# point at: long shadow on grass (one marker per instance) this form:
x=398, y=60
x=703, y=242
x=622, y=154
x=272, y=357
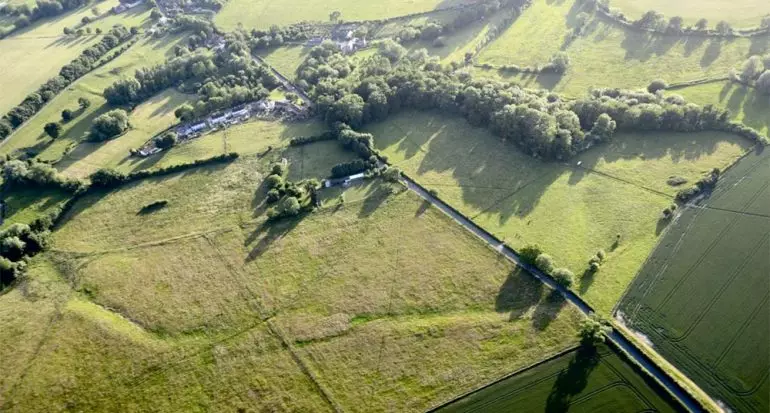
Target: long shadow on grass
x=521, y=294
x=268, y=233
x=573, y=380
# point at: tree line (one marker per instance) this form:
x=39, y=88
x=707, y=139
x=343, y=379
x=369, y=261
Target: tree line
x=68, y=74
x=25, y=14
x=755, y=72
x=221, y=79
x=541, y=123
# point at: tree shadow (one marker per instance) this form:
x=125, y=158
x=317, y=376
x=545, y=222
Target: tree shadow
x=548, y=309
x=374, y=198
x=268, y=233
x=519, y=293
x=693, y=43
x=711, y=54
x=572, y=380
x=586, y=280
x=759, y=45
x=424, y=205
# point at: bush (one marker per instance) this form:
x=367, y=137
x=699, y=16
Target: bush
x=66, y=115
x=304, y=140
x=656, y=85
x=349, y=168
x=107, y=178
x=530, y=253
x=274, y=181
x=166, y=141
x=564, y=277
x=544, y=263
x=109, y=125
x=273, y=196
x=279, y=169
x=392, y=174
x=594, y=331
x=153, y=206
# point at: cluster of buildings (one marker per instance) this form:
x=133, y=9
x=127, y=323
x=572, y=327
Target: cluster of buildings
x=344, y=37
x=123, y=6
x=264, y=108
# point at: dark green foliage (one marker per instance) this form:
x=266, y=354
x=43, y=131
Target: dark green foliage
x=52, y=129
x=288, y=207
x=274, y=181
x=166, y=141
x=564, y=277
x=24, y=174
x=18, y=242
x=279, y=169
x=109, y=125
x=110, y=178
x=530, y=253
x=594, y=330
x=84, y=103
x=304, y=140
x=656, y=85
x=704, y=184
x=545, y=263
x=349, y=168
x=67, y=115
x=273, y=195
x=221, y=79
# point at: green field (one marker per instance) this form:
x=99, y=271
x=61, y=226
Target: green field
x=25, y=205
x=744, y=103
x=578, y=381
x=608, y=55
x=741, y=13
x=568, y=210
x=286, y=59
x=261, y=14
x=702, y=296
x=380, y=304
x=36, y=54
x=31, y=138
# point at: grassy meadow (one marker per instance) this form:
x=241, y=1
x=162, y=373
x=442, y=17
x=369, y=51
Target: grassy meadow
x=741, y=13
x=578, y=381
x=709, y=274
x=744, y=103
x=261, y=14
x=608, y=55
x=25, y=205
x=30, y=136
x=286, y=60
x=570, y=211
x=37, y=53
x=201, y=302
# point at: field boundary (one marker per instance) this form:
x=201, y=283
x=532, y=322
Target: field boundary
x=506, y=376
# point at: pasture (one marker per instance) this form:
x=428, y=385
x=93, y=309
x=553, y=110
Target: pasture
x=702, y=296
x=201, y=302
x=571, y=211
x=31, y=139
x=286, y=60
x=744, y=103
x=608, y=55
x=36, y=54
x=25, y=205
x=578, y=381
x=261, y=14
x=741, y=13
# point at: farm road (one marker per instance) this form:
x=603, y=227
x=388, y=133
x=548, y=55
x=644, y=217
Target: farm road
x=615, y=337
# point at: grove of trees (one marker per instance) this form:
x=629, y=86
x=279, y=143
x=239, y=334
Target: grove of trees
x=109, y=125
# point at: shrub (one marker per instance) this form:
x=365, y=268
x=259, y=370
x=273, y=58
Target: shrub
x=304, y=140
x=273, y=196
x=530, y=253
x=66, y=115
x=109, y=125
x=166, y=141
x=279, y=169
x=594, y=330
x=676, y=181
x=12, y=248
x=107, y=178
x=274, y=181
x=564, y=277
x=9, y=271
x=52, y=129
x=544, y=263
x=594, y=267
x=349, y=168
x=153, y=206
x=392, y=174
x=656, y=85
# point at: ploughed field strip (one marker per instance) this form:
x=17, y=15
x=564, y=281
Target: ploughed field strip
x=577, y=381
x=702, y=296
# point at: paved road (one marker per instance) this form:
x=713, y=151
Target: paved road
x=286, y=82
x=615, y=337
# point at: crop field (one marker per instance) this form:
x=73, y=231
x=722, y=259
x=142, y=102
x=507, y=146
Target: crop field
x=702, y=296
x=201, y=303
x=31, y=138
x=578, y=381
x=607, y=55
x=741, y=13
x=261, y=14
x=522, y=200
x=744, y=103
